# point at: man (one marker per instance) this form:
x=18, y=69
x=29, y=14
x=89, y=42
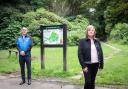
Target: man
x=24, y=45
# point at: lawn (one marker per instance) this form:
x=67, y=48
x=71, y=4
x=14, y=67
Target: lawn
x=115, y=70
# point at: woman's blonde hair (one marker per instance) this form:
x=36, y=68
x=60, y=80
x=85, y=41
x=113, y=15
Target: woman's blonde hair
x=88, y=28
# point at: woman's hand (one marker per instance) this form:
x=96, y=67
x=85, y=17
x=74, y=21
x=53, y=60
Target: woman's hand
x=85, y=69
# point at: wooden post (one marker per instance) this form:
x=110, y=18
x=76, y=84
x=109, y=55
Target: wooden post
x=65, y=49
x=42, y=53
x=9, y=53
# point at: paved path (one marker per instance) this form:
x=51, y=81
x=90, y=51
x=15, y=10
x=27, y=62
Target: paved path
x=13, y=83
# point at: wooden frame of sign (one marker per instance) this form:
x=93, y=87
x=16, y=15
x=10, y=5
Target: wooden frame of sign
x=54, y=36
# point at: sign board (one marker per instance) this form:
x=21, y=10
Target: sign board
x=54, y=36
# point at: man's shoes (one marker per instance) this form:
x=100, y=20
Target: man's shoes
x=22, y=82
x=29, y=82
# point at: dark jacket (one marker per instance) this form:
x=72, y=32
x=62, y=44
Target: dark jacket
x=24, y=44
x=84, y=52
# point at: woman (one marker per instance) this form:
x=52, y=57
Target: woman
x=90, y=57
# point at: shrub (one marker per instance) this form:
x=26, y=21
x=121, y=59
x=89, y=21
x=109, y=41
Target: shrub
x=120, y=33
x=79, y=23
x=8, y=35
x=36, y=41
x=33, y=20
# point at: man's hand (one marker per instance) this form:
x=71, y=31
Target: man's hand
x=22, y=53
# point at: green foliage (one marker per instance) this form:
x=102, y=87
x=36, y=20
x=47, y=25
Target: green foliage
x=78, y=29
x=60, y=7
x=108, y=13
x=9, y=28
x=73, y=38
x=33, y=20
x=36, y=40
x=120, y=33
x=13, y=20
x=116, y=12
x=42, y=17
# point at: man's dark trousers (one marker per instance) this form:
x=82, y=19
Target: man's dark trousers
x=22, y=60
x=90, y=76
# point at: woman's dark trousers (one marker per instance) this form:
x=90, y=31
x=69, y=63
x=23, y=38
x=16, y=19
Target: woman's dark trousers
x=90, y=76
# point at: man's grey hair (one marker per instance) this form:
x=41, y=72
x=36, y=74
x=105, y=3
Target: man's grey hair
x=24, y=28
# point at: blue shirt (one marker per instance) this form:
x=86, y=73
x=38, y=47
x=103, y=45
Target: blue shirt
x=23, y=43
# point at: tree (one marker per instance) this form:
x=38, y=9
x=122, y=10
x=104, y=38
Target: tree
x=116, y=12
x=108, y=13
